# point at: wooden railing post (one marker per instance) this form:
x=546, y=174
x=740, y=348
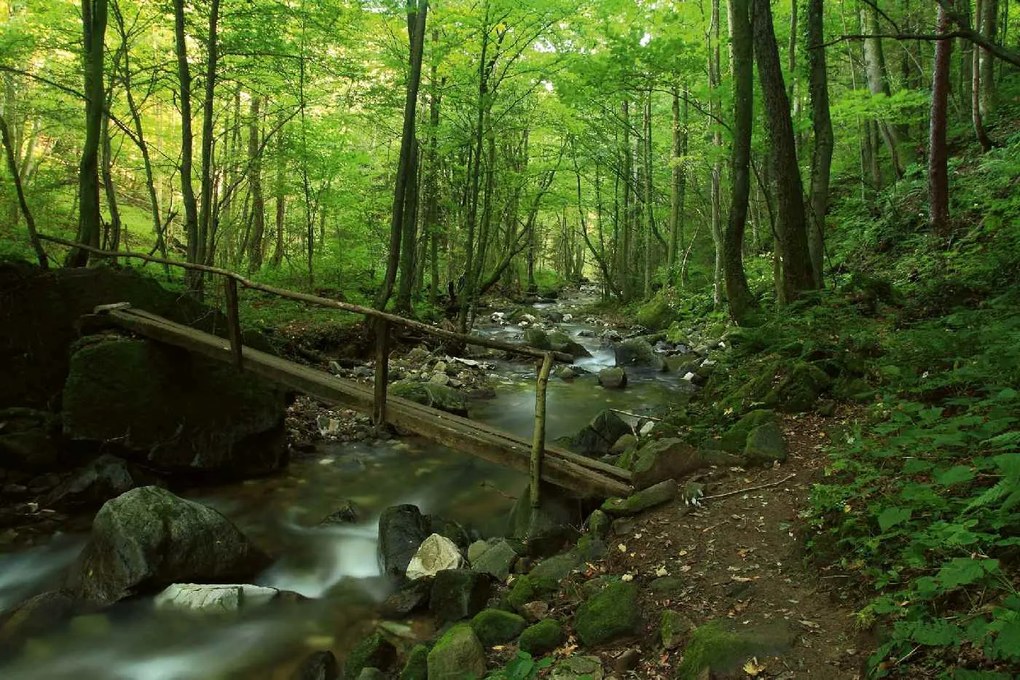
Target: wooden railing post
x=538, y=440
x=382, y=373
x=233, y=320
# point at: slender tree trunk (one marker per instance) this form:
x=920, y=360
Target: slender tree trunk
x=94, y=17
x=281, y=200
x=12, y=166
x=409, y=236
x=204, y=251
x=112, y=236
x=676, y=187
x=258, y=202
x=821, y=123
x=416, y=16
x=938, y=174
x=431, y=217
x=792, y=221
x=988, y=18
x=625, y=270
x=187, y=145
x=878, y=83
x=741, y=57
x=649, y=208
x=975, y=90
x=714, y=81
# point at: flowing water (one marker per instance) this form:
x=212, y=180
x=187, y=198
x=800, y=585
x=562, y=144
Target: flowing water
x=334, y=566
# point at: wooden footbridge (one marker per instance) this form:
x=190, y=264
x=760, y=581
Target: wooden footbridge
x=546, y=463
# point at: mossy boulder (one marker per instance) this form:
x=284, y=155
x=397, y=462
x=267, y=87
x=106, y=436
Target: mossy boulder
x=655, y=314
x=765, y=445
x=799, y=388
x=495, y=626
x=457, y=655
x=459, y=594
x=542, y=638
x=529, y=588
x=561, y=342
x=719, y=648
x=537, y=338
x=674, y=628
x=577, y=668
x=613, y=378
x=599, y=524
x=636, y=352
x=172, y=410
x=660, y=460
x=375, y=651
x=660, y=493
x=416, y=666
x=598, y=436
x=608, y=615
x=735, y=438
x=430, y=394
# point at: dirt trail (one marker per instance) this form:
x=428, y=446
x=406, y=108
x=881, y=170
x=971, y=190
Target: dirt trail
x=739, y=557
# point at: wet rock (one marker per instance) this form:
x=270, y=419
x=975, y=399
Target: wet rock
x=149, y=538
x=29, y=439
x=608, y=615
x=528, y=589
x=409, y=598
x=174, y=411
x=627, y=441
x=477, y=549
x=456, y=655
x=566, y=373
x=402, y=528
x=375, y=651
x=799, y=388
x=765, y=445
x=450, y=529
x=557, y=567
x=719, y=648
x=578, y=668
x=561, y=342
x=597, y=437
x=537, y=338
x=441, y=397
x=599, y=524
x=613, y=378
x=660, y=493
x=416, y=667
x=544, y=530
x=660, y=460
x=674, y=629
x=735, y=438
x=347, y=513
x=497, y=561
x=496, y=627
x=435, y=554
x=542, y=637
x=214, y=598
x=36, y=616
x=459, y=594
x=636, y=352
x=104, y=478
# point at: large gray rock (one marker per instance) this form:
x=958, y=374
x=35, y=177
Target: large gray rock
x=214, y=598
x=402, y=528
x=174, y=411
x=765, y=445
x=598, y=437
x=435, y=554
x=613, y=378
x=459, y=594
x=104, y=478
x=149, y=538
x=497, y=561
x=545, y=530
x=662, y=459
x=561, y=342
x=635, y=352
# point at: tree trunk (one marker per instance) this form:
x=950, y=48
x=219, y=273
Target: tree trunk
x=187, y=145
x=204, y=251
x=878, y=83
x=676, y=196
x=821, y=123
x=649, y=208
x=938, y=174
x=976, y=89
x=111, y=237
x=988, y=18
x=416, y=16
x=741, y=50
x=94, y=16
x=409, y=236
x=12, y=166
x=791, y=227
x=714, y=81
x=258, y=202
x=281, y=200
x=624, y=266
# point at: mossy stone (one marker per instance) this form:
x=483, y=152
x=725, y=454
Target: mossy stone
x=798, y=390
x=765, y=445
x=537, y=338
x=718, y=648
x=673, y=628
x=495, y=626
x=541, y=638
x=416, y=666
x=609, y=614
x=735, y=438
x=663, y=492
x=375, y=651
x=529, y=588
x=599, y=524
x=457, y=655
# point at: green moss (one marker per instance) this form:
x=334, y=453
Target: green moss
x=609, y=614
x=494, y=626
x=735, y=439
x=765, y=444
x=655, y=314
x=457, y=655
x=716, y=647
x=375, y=651
x=542, y=638
x=416, y=666
x=529, y=588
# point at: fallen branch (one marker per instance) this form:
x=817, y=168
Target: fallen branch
x=753, y=488
x=635, y=415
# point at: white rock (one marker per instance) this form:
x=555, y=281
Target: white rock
x=688, y=376
x=435, y=554
x=568, y=317
x=646, y=428
x=216, y=597
x=529, y=318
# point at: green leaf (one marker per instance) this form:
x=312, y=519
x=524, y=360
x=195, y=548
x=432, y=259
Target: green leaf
x=962, y=571
x=1007, y=642
x=955, y=475
x=936, y=633
x=890, y=517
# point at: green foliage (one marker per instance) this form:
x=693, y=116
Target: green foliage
x=521, y=667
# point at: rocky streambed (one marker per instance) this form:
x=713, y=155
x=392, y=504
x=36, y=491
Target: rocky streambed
x=314, y=554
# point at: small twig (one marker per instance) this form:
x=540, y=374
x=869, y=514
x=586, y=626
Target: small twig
x=753, y=488
x=635, y=415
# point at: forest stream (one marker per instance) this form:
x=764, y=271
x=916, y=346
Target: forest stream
x=335, y=566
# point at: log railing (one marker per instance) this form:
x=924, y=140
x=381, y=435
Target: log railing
x=383, y=323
